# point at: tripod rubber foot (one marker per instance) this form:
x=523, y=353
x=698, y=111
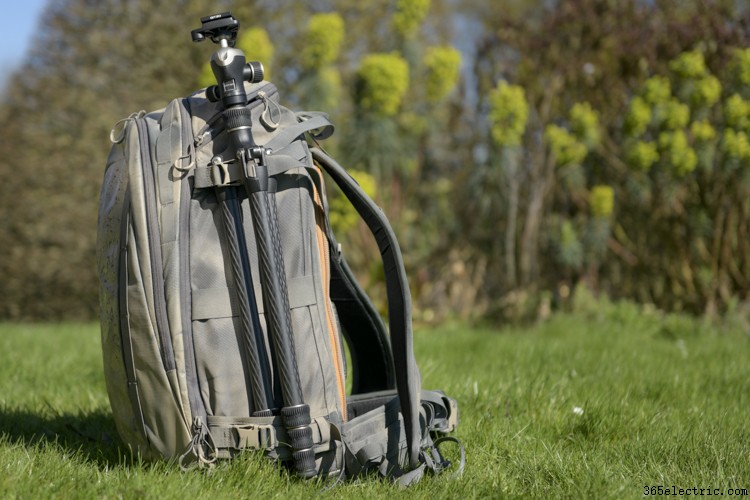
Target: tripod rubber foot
x=304, y=463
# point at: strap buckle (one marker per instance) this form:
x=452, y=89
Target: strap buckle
x=223, y=173
x=219, y=173
x=257, y=437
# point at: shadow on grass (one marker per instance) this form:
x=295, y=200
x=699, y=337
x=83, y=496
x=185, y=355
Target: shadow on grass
x=92, y=436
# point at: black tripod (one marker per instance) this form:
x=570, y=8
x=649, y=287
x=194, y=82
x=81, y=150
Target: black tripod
x=231, y=71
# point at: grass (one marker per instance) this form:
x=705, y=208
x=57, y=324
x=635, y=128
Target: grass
x=596, y=405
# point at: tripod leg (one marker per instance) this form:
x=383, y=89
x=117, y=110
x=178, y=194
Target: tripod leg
x=295, y=412
x=251, y=332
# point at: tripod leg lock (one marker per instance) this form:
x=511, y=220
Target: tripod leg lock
x=297, y=422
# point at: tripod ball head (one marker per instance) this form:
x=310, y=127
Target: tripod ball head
x=228, y=62
x=228, y=66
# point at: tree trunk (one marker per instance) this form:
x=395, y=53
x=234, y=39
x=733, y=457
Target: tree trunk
x=510, y=233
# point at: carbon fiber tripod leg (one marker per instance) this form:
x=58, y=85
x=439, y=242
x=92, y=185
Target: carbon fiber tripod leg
x=256, y=365
x=295, y=412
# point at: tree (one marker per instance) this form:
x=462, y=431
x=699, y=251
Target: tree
x=92, y=64
x=611, y=119
x=578, y=62
x=688, y=156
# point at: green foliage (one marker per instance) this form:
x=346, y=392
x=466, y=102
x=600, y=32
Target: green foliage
x=702, y=131
x=677, y=152
x=342, y=214
x=585, y=124
x=602, y=201
x=706, y=91
x=570, y=249
x=656, y=90
x=735, y=144
x=321, y=89
x=443, y=71
x=598, y=233
x=329, y=89
x=689, y=65
x=737, y=112
x=642, y=155
x=257, y=46
x=409, y=16
x=382, y=83
x=638, y=117
x=566, y=149
x=673, y=230
x=674, y=115
x=323, y=39
x=320, y=86
x=678, y=198
x=740, y=67
x=206, y=77
x=571, y=148
x=509, y=113
x=374, y=145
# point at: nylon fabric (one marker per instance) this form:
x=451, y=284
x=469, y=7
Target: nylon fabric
x=176, y=360
x=112, y=234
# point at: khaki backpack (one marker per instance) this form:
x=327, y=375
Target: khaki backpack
x=193, y=368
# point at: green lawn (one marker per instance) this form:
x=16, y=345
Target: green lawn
x=581, y=406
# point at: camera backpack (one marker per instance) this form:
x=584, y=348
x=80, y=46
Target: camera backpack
x=226, y=301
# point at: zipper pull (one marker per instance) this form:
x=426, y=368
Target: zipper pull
x=199, y=140
x=266, y=118
x=199, y=445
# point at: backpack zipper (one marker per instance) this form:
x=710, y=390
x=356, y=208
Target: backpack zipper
x=154, y=245
x=195, y=398
x=126, y=343
x=326, y=273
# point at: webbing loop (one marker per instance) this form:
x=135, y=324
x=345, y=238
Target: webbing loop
x=443, y=464
x=117, y=134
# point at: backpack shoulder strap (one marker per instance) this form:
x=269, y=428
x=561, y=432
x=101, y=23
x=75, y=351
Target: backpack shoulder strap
x=408, y=381
x=366, y=335
x=358, y=319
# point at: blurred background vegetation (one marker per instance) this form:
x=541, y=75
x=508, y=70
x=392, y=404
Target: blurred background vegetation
x=522, y=149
